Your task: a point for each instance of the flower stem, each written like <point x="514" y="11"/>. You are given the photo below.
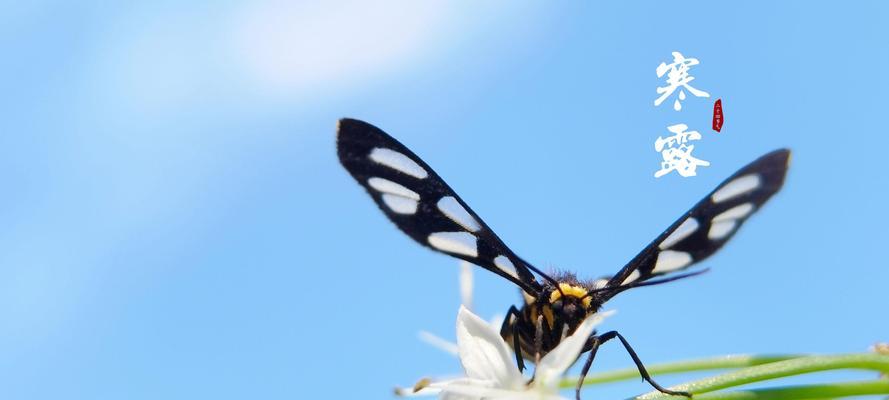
<point x="702" y="364"/>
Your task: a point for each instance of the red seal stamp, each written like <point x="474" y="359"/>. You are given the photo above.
<point x="718" y="119"/>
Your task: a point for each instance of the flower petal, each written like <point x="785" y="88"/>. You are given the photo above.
<point x="466" y="284"/>
<point x="466" y="389"/>
<point x="554" y="364"/>
<point x="410" y="392"/>
<point x="484" y="354"/>
<point x="438" y="342"/>
<point x="427" y="387"/>
<point x="463" y="391"/>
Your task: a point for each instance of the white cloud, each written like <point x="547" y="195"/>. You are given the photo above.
<point x="300" y="47"/>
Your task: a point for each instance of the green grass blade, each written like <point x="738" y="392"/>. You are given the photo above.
<point x="817" y="391"/>
<point x="701" y="364"/>
<point x="780" y="369"/>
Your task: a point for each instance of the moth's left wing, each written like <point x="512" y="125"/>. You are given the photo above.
<point x="422" y="205"/>
<point x="705" y="228"/>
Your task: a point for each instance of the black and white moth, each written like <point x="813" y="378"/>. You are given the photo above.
<point x="424" y="207"/>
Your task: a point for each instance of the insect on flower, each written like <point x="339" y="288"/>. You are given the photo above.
<point x="490" y="371"/>
<point x="424" y="207"/>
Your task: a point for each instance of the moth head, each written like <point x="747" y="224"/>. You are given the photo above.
<point x="571" y="300"/>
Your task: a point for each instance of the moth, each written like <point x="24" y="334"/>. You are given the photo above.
<point x="424" y="207"/>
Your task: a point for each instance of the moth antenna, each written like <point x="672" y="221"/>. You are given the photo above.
<point x="544" y="276"/>
<point x="621" y="288"/>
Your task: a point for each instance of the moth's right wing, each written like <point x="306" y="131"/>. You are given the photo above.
<point x="704" y="229"/>
<point x="422" y="205"/>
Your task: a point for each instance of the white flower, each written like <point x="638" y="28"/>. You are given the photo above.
<point x="489" y="363"/>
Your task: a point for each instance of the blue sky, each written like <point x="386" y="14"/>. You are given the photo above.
<point x="177" y="224"/>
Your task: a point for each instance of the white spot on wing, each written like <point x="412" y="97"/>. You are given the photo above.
<point x="400" y="205"/>
<point x="506" y="266"/>
<point x="450" y="207"/>
<point x="726" y="222"/>
<point x="737" y="187"/>
<point x="721" y="229"/>
<point x="735" y="212"/>
<point x="454" y="242"/>
<point x="669" y="260"/>
<point x="632" y="277"/>
<point x="398" y="162"/>
<point x="386" y="186"/>
<point x="687" y="227"/>
<point x="599" y="283"/>
<point x="399" y="199"/>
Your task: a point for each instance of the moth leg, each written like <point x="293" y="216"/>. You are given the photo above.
<point x="538" y="339"/>
<point x="611" y="335"/>
<point x="516" y="343"/>
<point x="594" y="346"/>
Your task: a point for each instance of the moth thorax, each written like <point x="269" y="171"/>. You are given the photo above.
<point x="573" y="296"/>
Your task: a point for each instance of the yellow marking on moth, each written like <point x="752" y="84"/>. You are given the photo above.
<point x="548" y="314"/>
<point x="533" y="313"/>
<point x="570" y="290"/>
